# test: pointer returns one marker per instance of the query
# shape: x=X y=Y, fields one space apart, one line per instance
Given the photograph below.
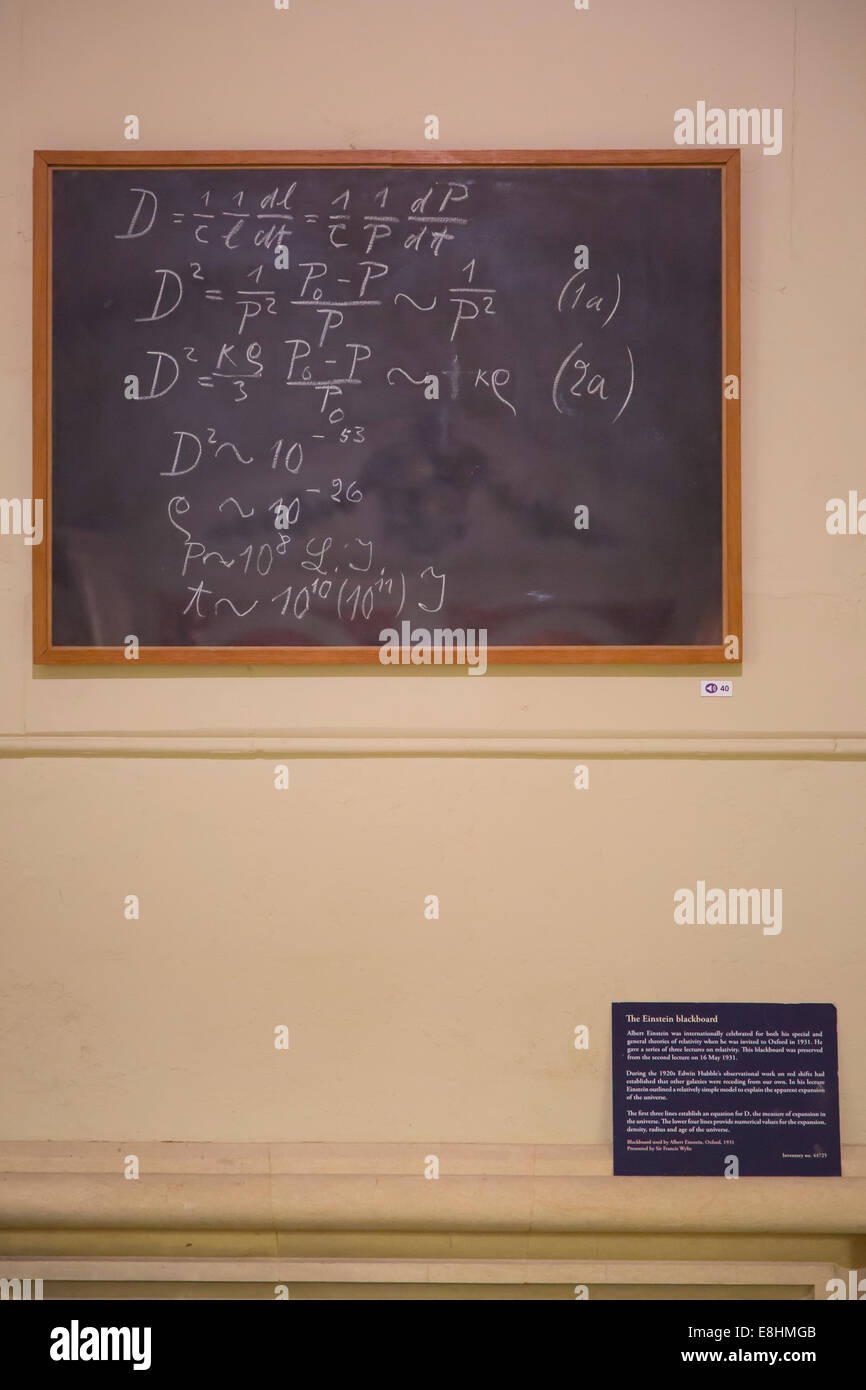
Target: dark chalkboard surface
x=287 y=405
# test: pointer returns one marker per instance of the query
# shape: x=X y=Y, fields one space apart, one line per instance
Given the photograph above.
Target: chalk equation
x=348 y=396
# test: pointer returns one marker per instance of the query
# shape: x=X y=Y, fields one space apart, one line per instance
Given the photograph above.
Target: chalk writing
x=317 y=400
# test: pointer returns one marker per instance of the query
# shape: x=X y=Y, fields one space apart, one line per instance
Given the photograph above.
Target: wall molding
x=481 y=1187
x=665 y=1273
x=135 y=744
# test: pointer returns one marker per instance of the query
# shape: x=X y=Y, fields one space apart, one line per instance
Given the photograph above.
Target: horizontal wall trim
x=103 y=1157
x=765 y=1273
x=481 y=1187
x=848 y=747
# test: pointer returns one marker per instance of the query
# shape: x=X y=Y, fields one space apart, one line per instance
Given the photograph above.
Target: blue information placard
x=711 y=1089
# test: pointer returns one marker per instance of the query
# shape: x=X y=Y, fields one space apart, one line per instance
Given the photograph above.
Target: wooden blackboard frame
x=45 y=652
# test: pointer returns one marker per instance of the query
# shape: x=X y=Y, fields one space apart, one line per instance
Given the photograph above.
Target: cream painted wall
x=306 y=907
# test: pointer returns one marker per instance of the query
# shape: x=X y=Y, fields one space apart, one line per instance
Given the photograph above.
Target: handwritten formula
x=295 y=405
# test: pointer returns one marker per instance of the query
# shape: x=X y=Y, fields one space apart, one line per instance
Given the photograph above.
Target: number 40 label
x=717 y=687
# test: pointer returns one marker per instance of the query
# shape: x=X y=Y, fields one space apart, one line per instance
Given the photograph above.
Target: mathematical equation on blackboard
x=348 y=394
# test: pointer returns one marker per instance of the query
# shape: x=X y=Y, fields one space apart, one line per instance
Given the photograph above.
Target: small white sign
x=717 y=687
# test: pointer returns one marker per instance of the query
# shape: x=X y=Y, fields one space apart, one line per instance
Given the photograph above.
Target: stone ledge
x=481 y=1187
x=678 y=1273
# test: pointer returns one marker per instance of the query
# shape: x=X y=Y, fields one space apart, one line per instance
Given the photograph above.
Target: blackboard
x=286 y=402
